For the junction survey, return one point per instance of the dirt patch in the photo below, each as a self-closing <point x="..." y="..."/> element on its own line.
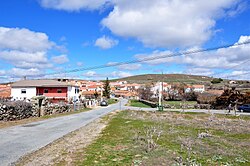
<point x="67" y="149"/>
<point x="4" y="124"/>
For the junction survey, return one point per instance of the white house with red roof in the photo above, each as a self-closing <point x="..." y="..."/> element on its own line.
<point x="55" y="90"/>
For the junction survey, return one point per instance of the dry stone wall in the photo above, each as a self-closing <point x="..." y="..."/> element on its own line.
<point x="10" y="111"/>
<point x="39" y="106"/>
<point x="55" y="109"/>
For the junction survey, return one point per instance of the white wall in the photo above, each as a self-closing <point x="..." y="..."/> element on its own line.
<point x="17" y="95"/>
<point x="71" y="92"/>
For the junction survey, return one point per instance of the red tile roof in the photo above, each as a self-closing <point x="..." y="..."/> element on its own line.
<point x="5" y="92"/>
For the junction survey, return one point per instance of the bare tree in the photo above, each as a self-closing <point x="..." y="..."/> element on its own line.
<point x="145" y="92"/>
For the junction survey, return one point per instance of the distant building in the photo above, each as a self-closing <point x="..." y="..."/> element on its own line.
<point x="55" y="90"/>
<point x="165" y="87"/>
<point x="232" y="82"/>
<point x="195" y="88"/>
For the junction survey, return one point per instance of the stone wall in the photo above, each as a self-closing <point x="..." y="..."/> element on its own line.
<point x="10" y="111"/>
<point x="38" y="106"/>
<point x="55" y="109"/>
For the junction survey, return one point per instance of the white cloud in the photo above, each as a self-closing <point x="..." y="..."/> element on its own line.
<point x="232" y="58"/>
<point x="236" y="75"/>
<point x="125" y="66"/>
<point x="90" y="74"/>
<point x="239" y="8"/>
<point x="61" y="59"/>
<point x="165" y="23"/>
<point x="199" y="71"/>
<point x="105" y="42"/>
<point x="2" y="72"/>
<point x="153" y="58"/>
<point x="221" y="58"/>
<point x="120" y="74"/>
<point x="32" y="72"/>
<point x="23" y="40"/>
<point x="130" y="67"/>
<point x="27" y="65"/>
<point x="80" y="64"/>
<point x="27" y="52"/>
<point x="101" y="76"/>
<point x="17" y="56"/>
<point x="26" y="60"/>
<point x="73" y="5"/>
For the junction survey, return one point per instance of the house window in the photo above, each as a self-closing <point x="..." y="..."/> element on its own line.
<point x="23" y="91"/>
<point x="59" y="90"/>
<point x="77" y="91"/>
<point x="45" y="91"/>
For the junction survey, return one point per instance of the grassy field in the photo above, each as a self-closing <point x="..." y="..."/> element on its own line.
<point x="136" y="103"/>
<point x="178" y="104"/>
<point x="146" y="138"/>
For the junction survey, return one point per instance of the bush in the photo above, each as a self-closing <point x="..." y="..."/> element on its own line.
<point x="216" y="80"/>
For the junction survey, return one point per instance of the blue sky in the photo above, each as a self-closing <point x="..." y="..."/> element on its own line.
<point x="38" y="37"/>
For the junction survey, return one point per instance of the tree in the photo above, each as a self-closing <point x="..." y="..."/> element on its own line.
<point x="145" y="92"/>
<point x="106" y="92"/>
<point x="216" y="80"/>
<point x="176" y="92"/>
<point x="96" y="94"/>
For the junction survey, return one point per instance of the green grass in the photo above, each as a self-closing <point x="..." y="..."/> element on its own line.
<point x="124" y="142"/>
<point x="136" y="103"/>
<point x="112" y="101"/>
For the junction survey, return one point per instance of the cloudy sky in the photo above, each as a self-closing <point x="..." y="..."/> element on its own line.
<point x="45" y="38"/>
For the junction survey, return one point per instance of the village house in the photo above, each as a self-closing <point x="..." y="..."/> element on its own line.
<point x="52" y="89"/>
<point x="195" y="88"/>
<point x="160" y="86"/>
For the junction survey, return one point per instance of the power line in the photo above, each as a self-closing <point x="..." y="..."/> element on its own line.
<point x="233" y="67"/>
<point x="147" y="59"/>
<point x="235" y="75"/>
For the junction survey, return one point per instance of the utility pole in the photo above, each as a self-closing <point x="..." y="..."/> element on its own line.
<point x="160" y="95"/>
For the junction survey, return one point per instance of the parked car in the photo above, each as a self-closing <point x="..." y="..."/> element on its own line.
<point x="104" y="103"/>
<point x="244" y="108"/>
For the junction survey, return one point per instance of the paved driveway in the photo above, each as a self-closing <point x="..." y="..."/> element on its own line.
<point x="19" y="140"/>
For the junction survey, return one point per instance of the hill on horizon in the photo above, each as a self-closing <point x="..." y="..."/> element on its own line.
<point x="171" y="78"/>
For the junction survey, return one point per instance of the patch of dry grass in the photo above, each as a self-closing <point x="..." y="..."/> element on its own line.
<point x="171" y="138"/>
